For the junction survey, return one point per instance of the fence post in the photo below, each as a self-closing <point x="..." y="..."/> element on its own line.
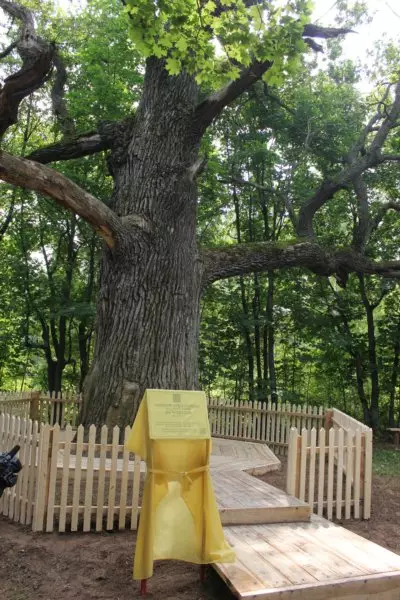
<point x="292" y="465"/>
<point x="34" y="406"/>
<point x="368" y="474"/>
<point x="328" y="421"/>
<point x="43" y="478"/>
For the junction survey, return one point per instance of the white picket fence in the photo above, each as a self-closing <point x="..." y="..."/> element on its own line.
<point x="261" y="421"/>
<point x="45" y="407"/>
<point x="67" y="484"/>
<point x="331" y="470"/>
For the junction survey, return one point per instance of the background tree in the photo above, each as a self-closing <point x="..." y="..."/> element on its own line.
<point x="153" y="271"/>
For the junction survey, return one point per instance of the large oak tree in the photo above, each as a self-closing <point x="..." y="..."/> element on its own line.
<point x="153" y="272"/>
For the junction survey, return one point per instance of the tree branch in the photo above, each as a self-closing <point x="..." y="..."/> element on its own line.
<point x="359" y="159"/>
<point x="37" y="60"/>
<point x="85" y="145"/>
<point x="242" y="259"/>
<point x="8" y="50"/>
<point x="381" y="213"/>
<point x="66" y="123"/>
<point x="47" y="181"/>
<point x="211" y="107"/>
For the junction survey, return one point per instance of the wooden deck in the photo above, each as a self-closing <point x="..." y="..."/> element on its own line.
<point x="227" y="455"/>
<point x="245" y="500"/>
<point x="252" y="457"/>
<point x="308" y="561"/>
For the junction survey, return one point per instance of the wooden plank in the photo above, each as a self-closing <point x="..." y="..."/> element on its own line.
<point x="292" y="462"/>
<point x="89" y="479"/>
<point x="306" y="561"/>
<point x="303" y="464"/>
<point x="349" y="473"/>
<point x="124" y="482"/>
<point x="65" y="480"/>
<point x="101" y="477"/>
<point x="339" y="475"/>
<point x="357" y="474"/>
<point x="14" y="491"/>
<point x="321" y="471"/>
<point x="113" y="479"/>
<point x="368" y="474"/>
<point x="311" y="484"/>
<point x="77" y="479"/>
<point x="42" y="478"/>
<point x="25" y="455"/>
<point x="33" y="472"/>
<point x="331" y="462"/>
<point x="51" y="492"/>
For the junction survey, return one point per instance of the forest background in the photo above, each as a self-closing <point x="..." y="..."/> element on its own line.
<point x="288" y="334"/>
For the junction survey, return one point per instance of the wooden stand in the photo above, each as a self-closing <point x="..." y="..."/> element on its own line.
<point x="143" y="587"/>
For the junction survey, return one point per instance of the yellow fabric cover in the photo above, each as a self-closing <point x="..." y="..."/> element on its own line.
<point x="179" y="517"/>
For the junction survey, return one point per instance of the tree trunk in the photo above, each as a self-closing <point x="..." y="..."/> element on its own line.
<point x="393" y="379"/>
<point x="245" y="307"/>
<point x="271" y="337"/>
<point x="148" y="306"/>
<point x="373" y="365"/>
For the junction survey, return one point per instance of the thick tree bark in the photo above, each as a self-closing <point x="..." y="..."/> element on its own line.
<point x="150" y="285"/>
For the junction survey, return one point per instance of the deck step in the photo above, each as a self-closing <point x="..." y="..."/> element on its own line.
<point x="308" y="561"/>
<point x="245" y="500"/>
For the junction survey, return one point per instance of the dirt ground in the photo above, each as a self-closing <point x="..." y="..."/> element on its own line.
<point x="98" y="566"/>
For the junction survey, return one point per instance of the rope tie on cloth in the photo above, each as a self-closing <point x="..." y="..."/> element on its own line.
<point x="182" y="474"/>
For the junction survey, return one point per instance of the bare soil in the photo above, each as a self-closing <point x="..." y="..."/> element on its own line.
<point x="93" y="566"/>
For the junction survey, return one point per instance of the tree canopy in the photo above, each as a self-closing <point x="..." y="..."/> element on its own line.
<point x="297" y="211"/>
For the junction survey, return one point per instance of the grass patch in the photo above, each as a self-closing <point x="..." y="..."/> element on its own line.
<point x="386" y="462"/>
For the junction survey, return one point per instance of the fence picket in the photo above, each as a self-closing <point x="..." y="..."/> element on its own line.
<point x="87" y="511"/>
<point x="77" y="479"/>
<point x="303" y="463"/>
<point x="42" y="479"/>
<point x="321" y="472"/>
<point x="292" y="462"/>
<point x="124" y="482"/>
<point x="50" y="501"/>
<point x="331" y="459"/>
<point x="13" y="491"/>
<point x="339" y="474"/>
<point x="25" y="469"/>
<point x="311" y="485"/>
<point x="357" y="474"/>
<point x="65" y="480"/>
<point x="349" y="472"/>
<point x="101" y="478"/>
<point x="33" y="472"/>
<point x="368" y="474"/>
<point x="113" y="479"/>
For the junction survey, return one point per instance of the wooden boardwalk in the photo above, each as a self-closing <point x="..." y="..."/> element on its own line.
<point x="227" y="455"/>
<point x="245" y="500"/>
<point x="308" y="561"/>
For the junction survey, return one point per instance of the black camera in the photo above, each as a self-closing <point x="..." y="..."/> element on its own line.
<point x="10" y="466"/>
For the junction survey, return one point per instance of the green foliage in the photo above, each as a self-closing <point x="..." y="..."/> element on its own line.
<point x="212" y="42"/>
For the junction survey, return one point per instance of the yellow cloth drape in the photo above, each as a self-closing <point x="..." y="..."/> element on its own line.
<point x="179" y="517"/>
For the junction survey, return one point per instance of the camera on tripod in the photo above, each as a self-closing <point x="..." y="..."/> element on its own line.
<point x="10" y="466"/>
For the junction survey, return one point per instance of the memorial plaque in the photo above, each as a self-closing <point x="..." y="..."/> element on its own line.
<point x="177" y="415"/>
